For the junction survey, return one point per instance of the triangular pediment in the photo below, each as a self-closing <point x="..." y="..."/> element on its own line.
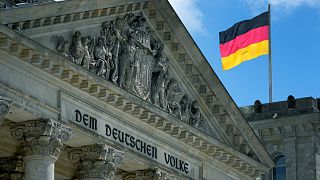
<point x="143" y="48"/>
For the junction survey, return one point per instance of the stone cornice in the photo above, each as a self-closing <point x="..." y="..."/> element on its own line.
<point x="39" y="56"/>
<point x="302" y="125"/>
<point x="25" y="18"/>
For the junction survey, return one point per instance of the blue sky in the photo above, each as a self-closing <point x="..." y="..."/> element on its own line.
<point x="295" y="32"/>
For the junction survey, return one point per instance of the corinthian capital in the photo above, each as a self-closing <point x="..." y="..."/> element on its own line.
<point x="5" y="105"/>
<point x="96" y="161"/>
<point x="41" y="137"/>
<point x="156" y="174"/>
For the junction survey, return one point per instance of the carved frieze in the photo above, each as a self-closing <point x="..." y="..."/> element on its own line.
<point x="41" y="137"/>
<point x="127" y="53"/>
<point x="96" y="161"/>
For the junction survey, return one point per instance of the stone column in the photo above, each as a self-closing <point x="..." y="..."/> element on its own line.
<point x="154" y="174"/>
<point x="41" y="142"/>
<point x="11" y="168"/>
<point x="96" y="162"/>
<point x="5" y="105"/>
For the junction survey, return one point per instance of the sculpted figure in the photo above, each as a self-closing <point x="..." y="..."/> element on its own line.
<point x="76" y="49"/>
<point x="126" y="62"/>
<point x="142" y="32"/>
<point x="120" y="31"/>
<point x="62" y="46"/>
<point x="173" y="97"/>
<point x="102" y="59"/>
<point x="116" y="34"/>
<point x="88" y="43"/>
<point x="185" y="105"/>
<point x="160" y="80"/>
<point x="195" y="115"/>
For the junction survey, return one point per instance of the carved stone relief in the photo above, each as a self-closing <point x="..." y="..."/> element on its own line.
<point x="97" y="161"/>
<point x="41" y="137"/>
<point x="128" y="54"/>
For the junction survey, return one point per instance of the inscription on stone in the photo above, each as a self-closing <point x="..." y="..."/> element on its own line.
<point x="129" y="140"/>
<point x="176" y="163"/>
<point x="87" y="120"/>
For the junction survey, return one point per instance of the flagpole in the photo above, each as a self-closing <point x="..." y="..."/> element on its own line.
<point x="270" y="59"/>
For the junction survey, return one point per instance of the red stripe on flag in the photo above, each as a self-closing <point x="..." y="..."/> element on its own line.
<point x="253" y="36"/>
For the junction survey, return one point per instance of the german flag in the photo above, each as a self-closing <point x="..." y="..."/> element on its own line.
<point x="245" y="40"/>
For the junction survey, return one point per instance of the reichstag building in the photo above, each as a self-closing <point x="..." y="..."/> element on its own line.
<point x="118" y="89"/>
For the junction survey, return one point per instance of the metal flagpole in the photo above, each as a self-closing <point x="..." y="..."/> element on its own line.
<point x="270" y="59"/>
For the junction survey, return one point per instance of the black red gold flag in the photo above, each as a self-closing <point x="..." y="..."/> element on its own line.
<point x="245" y="40"/>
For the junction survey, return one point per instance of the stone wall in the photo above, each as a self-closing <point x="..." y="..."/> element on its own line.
<point x="289" y="128"/>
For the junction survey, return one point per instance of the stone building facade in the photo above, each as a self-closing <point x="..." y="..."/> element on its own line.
<point x="114" y="89"/>
<point x="291" y="130"/>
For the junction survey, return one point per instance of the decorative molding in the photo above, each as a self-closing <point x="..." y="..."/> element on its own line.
<point x="41" y="137"/>
<point x="96" y="161"/>
<point x="78" y="16"/>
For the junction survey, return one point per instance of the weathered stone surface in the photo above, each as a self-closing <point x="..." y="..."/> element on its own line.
<point x="289" y="128"/>
<point x="41" y="142"/>
<point x="128" y="54"/>
<point x="43" y="137"/>
<point x="11" y="168"/>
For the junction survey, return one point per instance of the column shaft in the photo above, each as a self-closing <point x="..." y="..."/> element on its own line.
<point x="39" y="167"/>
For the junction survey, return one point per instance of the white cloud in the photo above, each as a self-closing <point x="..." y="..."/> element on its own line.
<point x="295" y="3"/>
<point x="280" y="7"/>
<point x="189" y="13"/>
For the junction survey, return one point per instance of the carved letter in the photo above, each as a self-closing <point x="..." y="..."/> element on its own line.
<point x="78" y="115"/>
<point x="132" y="143"/>
<point x="108" y="130"/>
<point x="85" y="119"/>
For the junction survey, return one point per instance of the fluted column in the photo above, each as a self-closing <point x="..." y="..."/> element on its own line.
<point x="96" y="162"/>
<point x="11" y="168"/>
<point x="41" y="142"/>
<point x="5" y="105"/>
